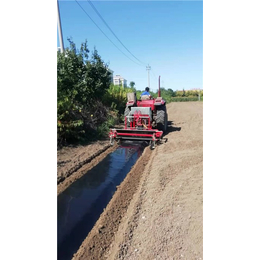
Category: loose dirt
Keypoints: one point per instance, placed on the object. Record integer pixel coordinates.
(157, 211)
(74, 162)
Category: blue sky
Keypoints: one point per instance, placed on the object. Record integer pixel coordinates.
(167, 35)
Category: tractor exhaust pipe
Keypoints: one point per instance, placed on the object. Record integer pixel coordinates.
(159, 91)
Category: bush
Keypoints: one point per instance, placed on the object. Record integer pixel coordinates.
(184, 99)
(81, 82)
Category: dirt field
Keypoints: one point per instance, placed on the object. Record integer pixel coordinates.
(157, 211)
(74, 162)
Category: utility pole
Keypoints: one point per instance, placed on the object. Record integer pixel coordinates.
(60, 30)
(148, 69)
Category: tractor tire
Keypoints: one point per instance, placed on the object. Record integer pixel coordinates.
(162, 119)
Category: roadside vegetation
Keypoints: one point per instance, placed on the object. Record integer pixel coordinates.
(82, 81)
(88, 104)
(180, 96)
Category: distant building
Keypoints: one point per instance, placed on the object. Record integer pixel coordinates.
(120, 81)
(111, 75)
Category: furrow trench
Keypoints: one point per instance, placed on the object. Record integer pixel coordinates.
(81, 204)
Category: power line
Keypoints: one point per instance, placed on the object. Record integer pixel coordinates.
(91, 4)
(153, 74)
(105, 34)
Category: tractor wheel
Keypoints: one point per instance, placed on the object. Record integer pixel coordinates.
(161, 119)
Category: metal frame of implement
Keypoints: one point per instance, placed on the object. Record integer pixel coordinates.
(133, 132)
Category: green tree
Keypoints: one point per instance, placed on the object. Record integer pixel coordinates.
(171, 92)
(81, 84)
(132, 84)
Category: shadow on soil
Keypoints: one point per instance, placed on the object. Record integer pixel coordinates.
(172, 128)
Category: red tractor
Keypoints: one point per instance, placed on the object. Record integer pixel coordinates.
(145, 120)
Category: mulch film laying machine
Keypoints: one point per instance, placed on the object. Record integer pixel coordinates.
(145, 120)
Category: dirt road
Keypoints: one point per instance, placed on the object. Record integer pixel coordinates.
(157, 211)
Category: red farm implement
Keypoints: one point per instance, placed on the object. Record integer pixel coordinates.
(145, 120)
